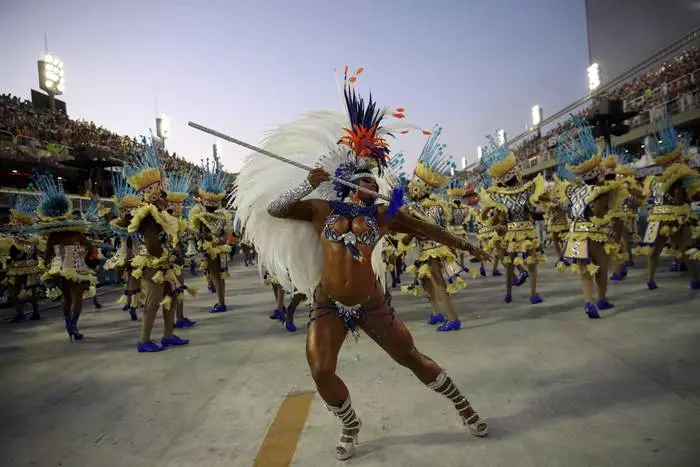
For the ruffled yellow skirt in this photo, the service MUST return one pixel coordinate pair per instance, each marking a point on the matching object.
(578, 242)
(421, 269)
(519, 243)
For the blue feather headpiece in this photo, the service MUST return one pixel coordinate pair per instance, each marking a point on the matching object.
(142, 158)
(179, 182)
(54, 203)
(143, 171)
(214, 182)
(92, 212)
(434, 164)
(668, 145)
(23, 209)
(578, 152)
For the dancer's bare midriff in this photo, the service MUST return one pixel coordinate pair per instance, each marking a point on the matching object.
(345, 279)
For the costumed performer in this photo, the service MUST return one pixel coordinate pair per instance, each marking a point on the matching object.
(327, 242)
(125, 199)
(176, 195)
(19, 254)
(516, 202)
(69, 254)
(213, 224)
(153, 265)
(435, 260)
(592, 204)
(670, 218)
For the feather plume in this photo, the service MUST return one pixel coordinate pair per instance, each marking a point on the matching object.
(291, 250)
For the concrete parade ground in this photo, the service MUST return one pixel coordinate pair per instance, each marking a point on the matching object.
(557, 388)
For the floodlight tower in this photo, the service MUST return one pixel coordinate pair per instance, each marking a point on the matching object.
(51, 77)
(163, 128)
(593, 77)
(537, 119)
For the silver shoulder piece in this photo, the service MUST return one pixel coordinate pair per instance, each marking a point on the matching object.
(283, 204)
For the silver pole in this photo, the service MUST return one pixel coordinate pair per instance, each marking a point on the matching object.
(264, 152)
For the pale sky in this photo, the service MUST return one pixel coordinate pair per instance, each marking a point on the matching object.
(244, 66)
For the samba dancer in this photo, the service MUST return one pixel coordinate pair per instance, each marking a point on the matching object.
(68, 250)
(671, 218)
(434, 260)
(125, 199)
(153, 264)
(515, 202)
(593, 204)
(213, 224)
(332, 249)
(19, 254)
(176, 195)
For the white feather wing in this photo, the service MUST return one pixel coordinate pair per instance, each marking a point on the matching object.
(291, 250)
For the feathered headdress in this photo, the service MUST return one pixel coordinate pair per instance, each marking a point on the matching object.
(498, 161)
(55, 209)
(94, 212)
(23, 210)
(365, 137)
(125, 196)
(55, 204)
(432, 171)
(178, 186)
(668, 146)
(143, 171)
(455, 189)
(214, 182)
(578, 153)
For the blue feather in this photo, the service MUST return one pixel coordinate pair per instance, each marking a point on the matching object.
(434, 155)
(120, 187)
(143, 158)
(397, 200)
(54, 201)
(179, 182)
(214, 179)
(25, 204)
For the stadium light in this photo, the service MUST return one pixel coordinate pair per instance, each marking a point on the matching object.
(593, 77)
(501, 137)
(536, 115)
(52, 77)
(163, 127)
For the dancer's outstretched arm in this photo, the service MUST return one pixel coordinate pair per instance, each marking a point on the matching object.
(408, 224)
(289, 205)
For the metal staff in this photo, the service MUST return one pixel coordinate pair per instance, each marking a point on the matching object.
(233, 140)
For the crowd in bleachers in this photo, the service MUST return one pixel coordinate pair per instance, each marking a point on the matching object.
(39, 127)
(661, 84)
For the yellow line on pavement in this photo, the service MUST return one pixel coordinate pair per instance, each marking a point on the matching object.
(282, 437)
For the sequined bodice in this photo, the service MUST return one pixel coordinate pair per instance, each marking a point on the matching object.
(434, 213)
(352, 223)
(577, 194)
(659, 195)
(517, 204)
(459, 215)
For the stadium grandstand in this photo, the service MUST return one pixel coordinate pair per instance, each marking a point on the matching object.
(81, 153)
(667, 81)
